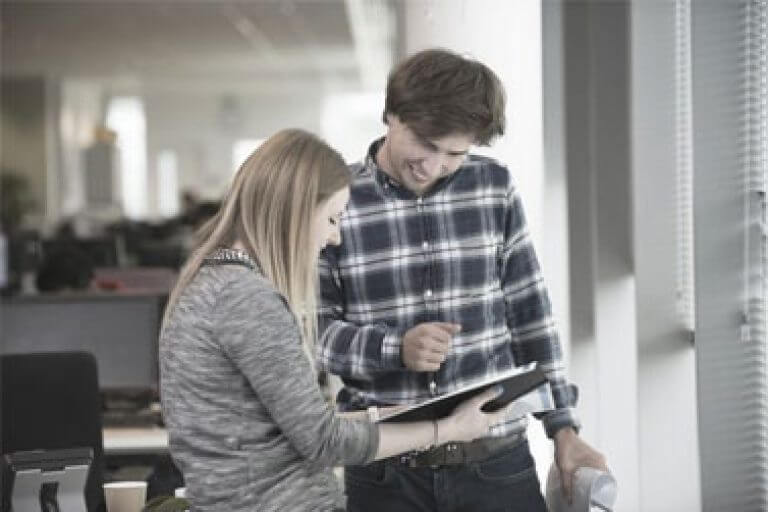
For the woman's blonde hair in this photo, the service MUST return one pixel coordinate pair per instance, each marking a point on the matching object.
(269, 208)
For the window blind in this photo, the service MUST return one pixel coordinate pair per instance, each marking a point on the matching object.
(685, 287)
(729, 123)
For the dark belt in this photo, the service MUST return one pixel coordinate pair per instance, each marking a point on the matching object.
(459, 453)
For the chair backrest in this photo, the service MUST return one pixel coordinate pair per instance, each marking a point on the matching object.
(51, 401)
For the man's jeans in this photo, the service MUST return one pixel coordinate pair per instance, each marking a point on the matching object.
(506, 481)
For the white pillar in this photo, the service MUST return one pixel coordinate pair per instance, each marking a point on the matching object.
(666, 357)
(506, 36)
(603, 286)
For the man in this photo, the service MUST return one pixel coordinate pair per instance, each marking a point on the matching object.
(436, 285)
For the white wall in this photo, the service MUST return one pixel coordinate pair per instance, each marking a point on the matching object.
(602, 287)
(666, 357)
(351, 121)
(201, 128)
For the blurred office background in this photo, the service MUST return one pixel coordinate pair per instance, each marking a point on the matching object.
(636, 130)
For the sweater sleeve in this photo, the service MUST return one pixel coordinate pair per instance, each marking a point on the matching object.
(261, 337)
(361, 352)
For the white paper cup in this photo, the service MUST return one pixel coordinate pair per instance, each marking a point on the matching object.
(125, 496)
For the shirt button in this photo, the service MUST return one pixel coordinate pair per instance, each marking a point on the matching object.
(232, 442)
(425, 245)
(418, 200)
(428, 293)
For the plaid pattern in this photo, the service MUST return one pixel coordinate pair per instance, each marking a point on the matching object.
(536, 401)
(461, 253)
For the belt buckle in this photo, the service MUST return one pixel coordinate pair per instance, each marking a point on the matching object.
(438, 457)
(442, 456)
(453, 454)
(410, 459)
(424, 458)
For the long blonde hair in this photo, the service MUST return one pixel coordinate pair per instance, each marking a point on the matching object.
(269, 208)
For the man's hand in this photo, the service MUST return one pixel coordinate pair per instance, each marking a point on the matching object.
(572, 453)
(426, 345)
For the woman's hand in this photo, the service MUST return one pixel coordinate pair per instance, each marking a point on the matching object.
(468, 421)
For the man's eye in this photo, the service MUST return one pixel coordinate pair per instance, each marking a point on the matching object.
(332, 221)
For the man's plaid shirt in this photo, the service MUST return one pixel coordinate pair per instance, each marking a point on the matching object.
(462, 254)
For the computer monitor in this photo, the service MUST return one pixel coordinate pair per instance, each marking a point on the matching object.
(101, 251)
(121, 331)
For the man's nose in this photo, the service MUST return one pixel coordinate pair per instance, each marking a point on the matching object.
(434, 164)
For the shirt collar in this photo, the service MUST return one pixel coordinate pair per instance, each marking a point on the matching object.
(387, 183)
(226, 255)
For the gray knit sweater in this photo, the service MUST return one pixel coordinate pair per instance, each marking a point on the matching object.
(248, 425)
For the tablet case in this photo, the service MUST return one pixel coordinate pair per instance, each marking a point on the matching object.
(515, 383)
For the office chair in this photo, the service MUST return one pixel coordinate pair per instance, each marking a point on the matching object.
(51, 401)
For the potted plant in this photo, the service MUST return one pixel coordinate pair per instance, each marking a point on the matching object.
(16, 200)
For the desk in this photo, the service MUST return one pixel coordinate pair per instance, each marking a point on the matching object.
(140, 453)
(135, 441)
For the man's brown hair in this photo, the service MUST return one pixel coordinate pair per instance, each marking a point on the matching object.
(437, 92)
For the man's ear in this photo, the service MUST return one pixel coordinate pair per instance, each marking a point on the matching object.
(389, 116)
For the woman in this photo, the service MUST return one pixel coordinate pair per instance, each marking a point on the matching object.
(248, 425)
